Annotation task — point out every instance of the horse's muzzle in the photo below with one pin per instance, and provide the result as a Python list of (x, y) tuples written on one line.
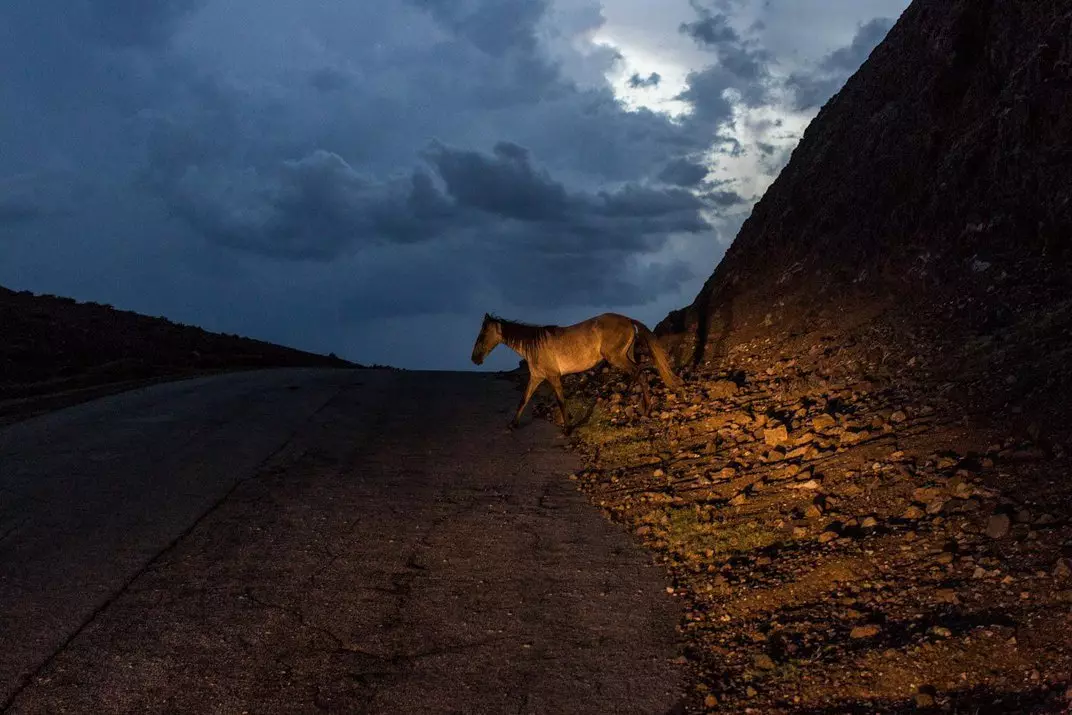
[(477, 360)]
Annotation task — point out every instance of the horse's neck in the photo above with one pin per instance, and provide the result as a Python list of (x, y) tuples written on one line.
[(518, 345), (523, 342)]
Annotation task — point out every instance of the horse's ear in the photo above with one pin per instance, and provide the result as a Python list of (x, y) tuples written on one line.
[(487, 316)]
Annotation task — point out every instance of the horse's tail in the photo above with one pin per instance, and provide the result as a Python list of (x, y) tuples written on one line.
[(662, 360)]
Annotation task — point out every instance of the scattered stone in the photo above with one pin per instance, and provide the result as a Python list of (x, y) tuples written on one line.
[(868, 522), (924, 697), (811, 485), (823, 422), (722, 389), (898, 417), (850, 437), (764, 662), (868, 631), (997, 527), (946, 595), (912, 513), (1063, 569), (776, 436)]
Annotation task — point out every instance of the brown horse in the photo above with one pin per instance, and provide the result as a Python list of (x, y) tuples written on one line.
[(552, 351)]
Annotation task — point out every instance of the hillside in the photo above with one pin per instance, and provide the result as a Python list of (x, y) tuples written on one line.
[(53, 347), (927, 208), (863, 495)]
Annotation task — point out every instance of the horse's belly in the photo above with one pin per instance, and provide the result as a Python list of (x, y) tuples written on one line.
[(567, 365)]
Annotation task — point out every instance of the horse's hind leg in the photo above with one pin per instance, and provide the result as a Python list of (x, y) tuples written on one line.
[(530, 389), (625, 362)]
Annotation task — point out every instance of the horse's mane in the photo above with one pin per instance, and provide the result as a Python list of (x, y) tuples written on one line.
[(524, 336)]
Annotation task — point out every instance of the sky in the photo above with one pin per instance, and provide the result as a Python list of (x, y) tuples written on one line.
[(370, 178)]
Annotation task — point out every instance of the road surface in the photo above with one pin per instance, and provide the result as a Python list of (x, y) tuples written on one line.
[(312, 540)]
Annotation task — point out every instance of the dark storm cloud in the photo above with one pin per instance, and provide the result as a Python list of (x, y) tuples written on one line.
[(497, 27), (724, 199), (320, 207), (35, 196), (812, 89), (314, 208), (270, 169), (682, 172), (505, 183), (136, 23), (638, 82), (742, 66)]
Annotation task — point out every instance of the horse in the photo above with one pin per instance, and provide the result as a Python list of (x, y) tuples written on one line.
[(551, 351)]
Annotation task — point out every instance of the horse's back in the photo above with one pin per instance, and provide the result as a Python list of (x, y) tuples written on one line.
[(614, 320)]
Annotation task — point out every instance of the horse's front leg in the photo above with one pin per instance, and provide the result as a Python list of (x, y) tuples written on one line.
[(530, 390), (560, 398)]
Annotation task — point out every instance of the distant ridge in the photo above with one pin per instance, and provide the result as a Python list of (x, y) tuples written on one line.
[(50, 344)]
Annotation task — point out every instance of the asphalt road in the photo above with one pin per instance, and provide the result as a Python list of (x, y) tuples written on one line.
[(309, 541)]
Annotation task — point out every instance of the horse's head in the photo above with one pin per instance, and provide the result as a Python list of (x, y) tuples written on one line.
[(490, 336)]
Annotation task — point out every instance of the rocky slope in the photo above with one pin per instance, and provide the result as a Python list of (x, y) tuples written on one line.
[(930, 199), (863, 496), (51, 345)]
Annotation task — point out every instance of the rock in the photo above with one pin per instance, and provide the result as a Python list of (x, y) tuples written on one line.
[(823, 422), (946, 595), (868, 631), (868, 522), (814, 511), (850, 437), (764, 662), (941, 631), (776, 435), (898, 417), (827, 536), (998, 526), (924, 699), (710, 701), (722, 389), (912, 513), (1063, 569), (738, 500), (810, 485)]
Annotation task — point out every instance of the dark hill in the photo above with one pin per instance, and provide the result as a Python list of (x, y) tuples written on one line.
[(50, 344), (927, 212)]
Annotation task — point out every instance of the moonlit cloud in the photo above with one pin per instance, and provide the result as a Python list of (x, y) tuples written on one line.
[(369, 180)]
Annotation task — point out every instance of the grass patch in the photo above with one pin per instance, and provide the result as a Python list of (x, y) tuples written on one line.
[(687, 533)]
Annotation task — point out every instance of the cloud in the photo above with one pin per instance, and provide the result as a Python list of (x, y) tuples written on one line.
[(682, 172), (742, 66), (346, 165), (504, 183), (812, 88), (35, 196), (638, 82)]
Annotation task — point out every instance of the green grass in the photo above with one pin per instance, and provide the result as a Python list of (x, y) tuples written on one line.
[(688, 534)]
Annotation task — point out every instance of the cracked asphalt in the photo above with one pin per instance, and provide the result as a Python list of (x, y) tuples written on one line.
[(310, 540)]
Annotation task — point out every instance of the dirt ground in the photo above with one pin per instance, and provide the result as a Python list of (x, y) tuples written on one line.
[(843, 537)]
